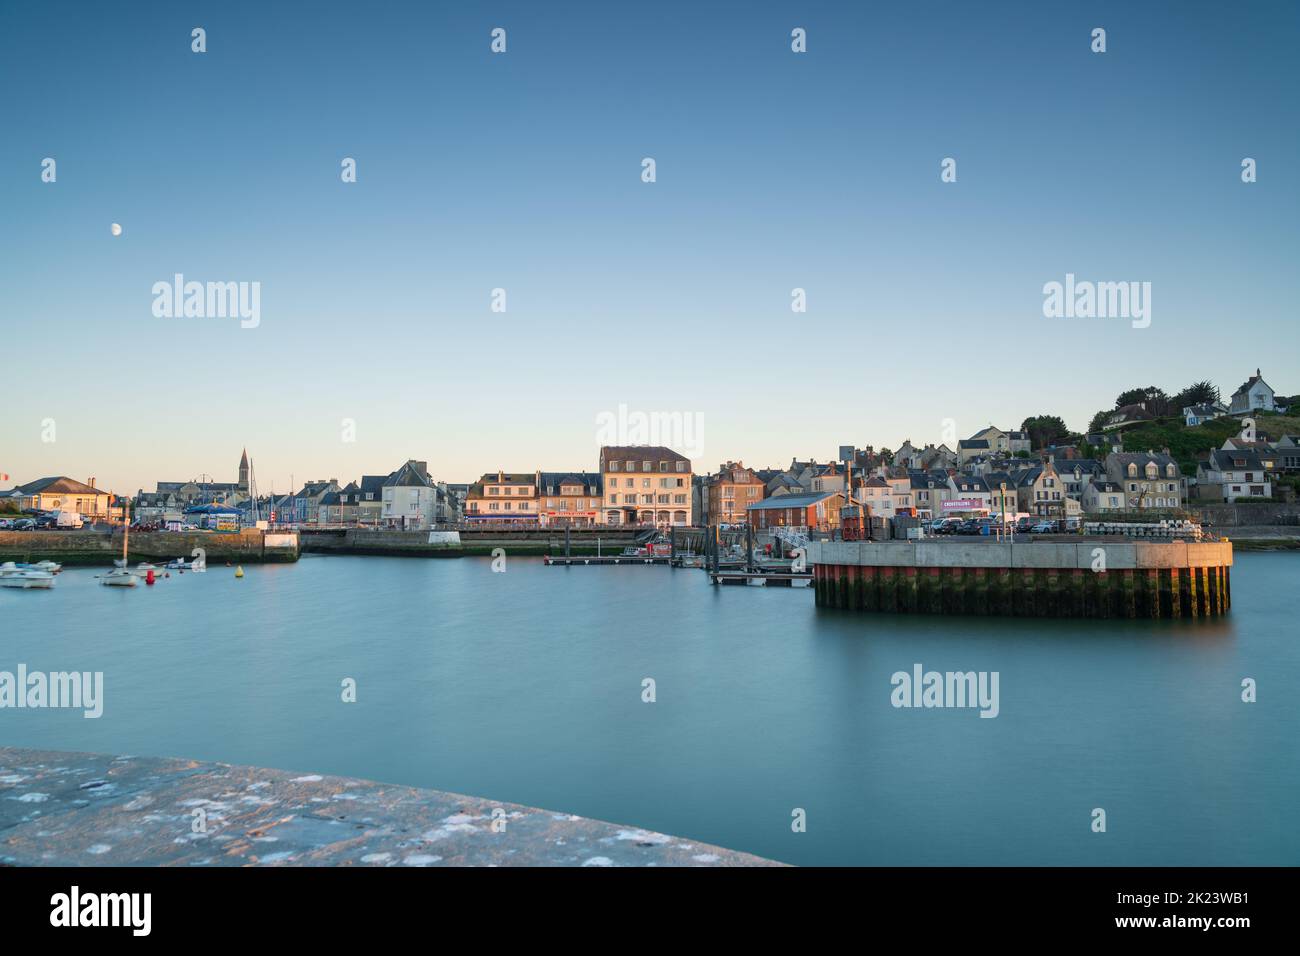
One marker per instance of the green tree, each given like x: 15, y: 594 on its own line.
x: 1045, y: 429
x: 1199, y: 393
x: 1155, y: 399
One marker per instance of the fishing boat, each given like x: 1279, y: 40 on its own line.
x: 12, y: 576
x: 121, y: 576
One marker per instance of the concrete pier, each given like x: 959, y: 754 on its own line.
x: 1090, y: 578
x: 72, y: 809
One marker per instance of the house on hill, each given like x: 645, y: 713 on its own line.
x: 1254, y: 395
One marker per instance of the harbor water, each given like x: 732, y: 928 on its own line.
x: 530, y: 686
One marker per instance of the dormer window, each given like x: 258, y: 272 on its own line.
x: 1132, y: 470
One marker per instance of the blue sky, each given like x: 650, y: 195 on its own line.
x: 522, y: 171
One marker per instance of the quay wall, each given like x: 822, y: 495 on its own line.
x: 416, y: 543
x: 1093, y: 578
x: 56, y: 808
x: 103, y: 547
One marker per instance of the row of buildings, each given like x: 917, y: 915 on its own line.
x: 992, y: 472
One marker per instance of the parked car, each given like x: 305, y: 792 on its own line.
x: 1024, y: 524
x: 6, y: 523
x: 1043, y: 527
x: 25, y: 524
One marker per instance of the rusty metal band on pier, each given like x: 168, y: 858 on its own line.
x: 1092, y: 579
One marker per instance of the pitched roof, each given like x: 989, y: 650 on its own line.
x: 1221, y: 460
x: 554, y: 479
x: 792, y: 501
x: 410, y: 475
x: 59, y: 485
x: 639, y: 453
x: 1245, y: 386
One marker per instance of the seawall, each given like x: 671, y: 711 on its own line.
x: 416, y: 543
x: 1093, y: 578
x: 103, y: 547
x: 75, y: 809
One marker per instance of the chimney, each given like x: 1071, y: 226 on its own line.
x: 91, y: 482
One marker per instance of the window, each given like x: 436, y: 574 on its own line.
x: 681, y: 466
x: 493, y: 490
x: 645, y: 466
x: 613, y: 466
x: 663, y: 466
x: 679, y: 499
x: 613, y: 499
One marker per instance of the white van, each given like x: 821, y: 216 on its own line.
x: 67, y: 520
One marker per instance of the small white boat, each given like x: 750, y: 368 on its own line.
x: 52, y: 567
x: 120, y: 577
x: 12, y: 576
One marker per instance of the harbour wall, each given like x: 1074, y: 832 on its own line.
x: 1095, y: 578
x: 103, y: 547
x: 76, y: 809
x: 416, y: 543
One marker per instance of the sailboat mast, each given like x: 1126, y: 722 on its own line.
x: 126, y: 527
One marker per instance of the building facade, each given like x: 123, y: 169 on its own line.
x: 504, y: 497
x: 731, y: 491
x: 645, y: 485
x: 568, y: 499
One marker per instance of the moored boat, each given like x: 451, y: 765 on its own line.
x: 52, y: 567
x: 121, y: 576
x: 12, y: 576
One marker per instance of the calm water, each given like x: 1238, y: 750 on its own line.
x: 526, y: 686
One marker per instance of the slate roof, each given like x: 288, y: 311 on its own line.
x: 791, y: 501
x: 59, y: 485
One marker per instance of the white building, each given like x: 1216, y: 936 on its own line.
x: 410, y: 498
x: 1253, y: 396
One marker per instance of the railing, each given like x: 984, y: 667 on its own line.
x: 794, y: 537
